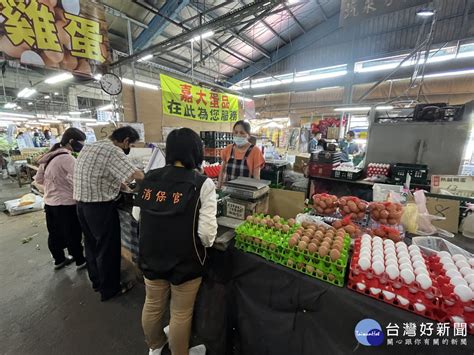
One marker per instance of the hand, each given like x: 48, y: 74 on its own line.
x: 125, y: 188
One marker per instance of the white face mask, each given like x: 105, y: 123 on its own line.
x: 240, y: 141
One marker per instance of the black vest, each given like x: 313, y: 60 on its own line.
x: 169, y: 246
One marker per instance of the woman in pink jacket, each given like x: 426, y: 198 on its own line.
x: 55, y: 173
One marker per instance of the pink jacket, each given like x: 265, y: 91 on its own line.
x: 57, y: 179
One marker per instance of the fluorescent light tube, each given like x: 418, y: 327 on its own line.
x: 58, y: 78
x: 105, y: 107
x: 145, y: 58
x: 203, y: 36
x: 26, y: 92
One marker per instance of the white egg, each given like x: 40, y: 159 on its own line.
x: 407, y: 266
x: 471, y: 262
x: 414, y: 253
x: 418, y: 264
x: 442, y: 254
x: 361, y: 286
x: 407, y: 276
x: 453, y: 273
x: 401, y: 244
x: 448, y: 267
x: 391, y: 261
x: 392, y: 271
x: 365, y: 255
x: 378, y: 259
x: 413, y: 248
x: 458, y: 280
x: 365, y: 249
x: 377, y: 240
x: 377, y: 253
x: 377, y: 247
x: 446, y: 260
x: 459, y: 257
x: 364, y: 263
x: 461, y: 263
x: 378, y: 267
x: 403, y: 301
x: 421, y: 270
x: 417, y: 258
x: 390, y: 254
x: 366, y: 236
x: 464, y: 293
x: 469, y: 278
x: 389, y: 248
x: 388, y: 242
x: 404, y: 260
x: 388, y: 295
x: 471, y: 286
x: 466, y: 271
x: 402, y: 255
x: 424, y: 281
x: 375, y: 291
x: 420, y: 307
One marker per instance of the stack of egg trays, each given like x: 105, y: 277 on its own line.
x: 323, y: 267
x: 413, y: 293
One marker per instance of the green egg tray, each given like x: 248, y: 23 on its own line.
x: 273, y: 246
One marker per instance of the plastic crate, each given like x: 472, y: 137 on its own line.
x: 418, y: 172
x: 321, y: 169
x: 326, y: 157
x: 347, y: 175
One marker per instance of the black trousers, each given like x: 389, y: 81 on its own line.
x: 101, y: 226
x: 64, y: 232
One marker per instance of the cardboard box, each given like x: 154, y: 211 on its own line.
x: 447, y: 208
x: 301, y: 161
x: 458, y: 185
x: 285, y: 203
x: 240, y: 209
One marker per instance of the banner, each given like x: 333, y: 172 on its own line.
x: 196, y: 103
x: 353, y: 11
x: 70, y: 35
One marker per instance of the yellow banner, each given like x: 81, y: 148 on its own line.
x: 196, y: 103
x: 70, y: 35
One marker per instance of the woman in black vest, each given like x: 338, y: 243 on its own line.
x: 177, y: 222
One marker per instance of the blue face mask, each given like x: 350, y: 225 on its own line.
x: 240, y: 141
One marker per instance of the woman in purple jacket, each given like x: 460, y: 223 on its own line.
x: 55, y: 173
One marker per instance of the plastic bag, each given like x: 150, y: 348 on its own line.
x: 305, y: 217
x: 26, y: 200
x: 467, y: 226
x: 424, y: 225
x: 410, y: 217
x: 431, y: 245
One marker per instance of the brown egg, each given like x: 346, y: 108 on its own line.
x: 292, y: 242
x: 360, y: 215
x: 308, y: 232
x: 302, y: 246
x: 305, y: 239
x: 310, y: 268
x: 312, y: 248
x: 352, y: 206
x: 337, y: 247
x: 323, y: 251
x: 339, y: 240
x: 272, y: 246
x: 325, y: 244
x: 291, y: 222
x: 249, y: 219
x: 300, y: 229
x: 257, y: 240
x: 319, y: 234
x: 392, y: 221
x: 383, y: 220
x: 327, y: 240
x: 350, y: 229
x: 290, y: 263
x: 296, y: 236
x: 319, y: 273
x: 331, y: 277
x: 335, y: 254
x: 300, y: 265
x: 285, y: 228
x: 305, y: 224
x: 276, y: 218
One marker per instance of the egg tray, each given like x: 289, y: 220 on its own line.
x: 450, y: 302
x: 413, y: 293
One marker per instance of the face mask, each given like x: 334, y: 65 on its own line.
x: 240, y: 141
x: 126, y: 150
x: 76, y: 146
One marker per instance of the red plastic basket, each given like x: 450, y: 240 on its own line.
x: 212, y: 171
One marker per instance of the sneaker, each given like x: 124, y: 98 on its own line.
x: 81, y: 266
x: 124, y: 288
x: 198, y: 350
x: 166, y: 330
x: 69, y: 259
x: 156, y: 351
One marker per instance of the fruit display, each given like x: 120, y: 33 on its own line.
x: 375, y: 169
x: 456, y: 283
x: 351, y: 205
x: 386, y: 212
x: 396, y: 274
x: 317, y: 251
x: 325, y: 204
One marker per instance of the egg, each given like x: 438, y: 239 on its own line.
x: 312, y: 248
x: 420, y: 307
x: 442, y: 254
x: 466, y: 271
x: 305, y: 239
x: 462, y: 263
x: 469, y: 278
x: 378, y: 267
x: 414, y: 253
x: 453, y: 273
x: 401, y: 245
x: 459, y: 257
x: 471, y: 285
x: 417, y: 258
x: 448, y: 267
x: 388, y: 295
x: 377, y: 240
x: 392, y: 271
x: 471, y: 262
x: 421, y: 270
x: 418, y: 264
x: 361, y: 286
x: 407, y: 275
x: 446, y: 260
x: 302, y: 245
x: 391, y: 260
x: 388, y: 242
x: 334, y: 254
x: 458, y: 280
x: 364, y: 263
x: 366, y: 255
x: 292, y: 242
x: 413, y: 247
x: 403, y: 301
x: 404, y: 260
x: 390, y: 255
x: 403, y: 254
x: 375, y: 291
x: 323, y: 251
x: 464, y: 293
x: 310, y: 268
x: 378, y: 259
x: 424, y: 281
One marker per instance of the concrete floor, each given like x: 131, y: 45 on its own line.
x: 56, y: 312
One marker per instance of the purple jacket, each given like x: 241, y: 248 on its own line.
x: 57, y: 179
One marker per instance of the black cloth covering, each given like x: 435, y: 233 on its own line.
x: 250, y: 306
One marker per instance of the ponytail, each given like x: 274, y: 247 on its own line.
x: 70, y: 133
x: 55, y: 147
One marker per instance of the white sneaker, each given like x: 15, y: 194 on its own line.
x: 198, y: 350
x: 156, y: 351
x: 167, y: 330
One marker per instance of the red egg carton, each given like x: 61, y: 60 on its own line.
x: 451, y: 304
x: 212, y: 171
x: 410, y: 297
